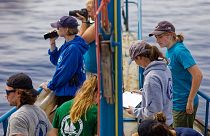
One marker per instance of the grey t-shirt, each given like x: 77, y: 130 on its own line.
x: 29, y: 120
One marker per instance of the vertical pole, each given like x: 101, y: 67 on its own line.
x: 5, y: 124
x: 126, y: 6
x: 111, y: 122
x: 141, y: 70
x: 206, y: 118
x: 118, y: 68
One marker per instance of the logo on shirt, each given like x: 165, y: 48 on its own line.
x: 170, y: 89
x: 41, y: 129
x: 71, y: 129
x: 83, y: 67
x: 60, y: 59
x: 169, y: 63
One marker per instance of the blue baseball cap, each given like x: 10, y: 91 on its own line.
x: 65, y: 21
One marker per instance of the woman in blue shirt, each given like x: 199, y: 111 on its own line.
x: 185, y: 73
x: 87, y: 31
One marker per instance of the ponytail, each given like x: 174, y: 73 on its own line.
x: 179, y: 38
x: 155, y: 54
x: 160, y: 117
x: 84, y: 99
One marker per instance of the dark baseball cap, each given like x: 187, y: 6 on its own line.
x: 162, y: 27
x: 137, y: 48
x: 21, y: 81
x: 66, y: 21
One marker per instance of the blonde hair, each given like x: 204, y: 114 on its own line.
x: 84, y: 99
x: 178, y: 38
x: 72, y: 31
x: 90, y: 3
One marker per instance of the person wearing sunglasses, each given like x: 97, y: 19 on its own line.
x: 185, y: 72
x: 68, y: 59
x: 29, y: 119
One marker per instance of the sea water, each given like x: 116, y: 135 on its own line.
x: 24, y: 22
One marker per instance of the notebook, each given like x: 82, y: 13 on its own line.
x: 131, y: 99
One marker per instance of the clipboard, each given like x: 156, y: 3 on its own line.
x: 131, y: 99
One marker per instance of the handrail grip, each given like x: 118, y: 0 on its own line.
x: 204, y: 96
x: 7, y: 114
x: 207, y: 98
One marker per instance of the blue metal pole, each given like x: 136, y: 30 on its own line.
x: 7, y: 114
x: 139, y: 20
x: 207, y: 98
x: 141, y: 70
x: 107, y: 111
x: 126, y: 6
x: 206, y: 118
x: 4, y: 118
x: 120, y: 73
x: 111, y: 121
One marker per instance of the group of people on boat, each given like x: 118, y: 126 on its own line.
x: 170, y: 83
x: 76, y: 112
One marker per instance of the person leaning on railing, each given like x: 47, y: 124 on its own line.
x: 185, y: 72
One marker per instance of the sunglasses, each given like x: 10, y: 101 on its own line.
x: 10, y: 91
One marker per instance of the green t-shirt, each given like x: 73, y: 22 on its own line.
x: 83, y: 127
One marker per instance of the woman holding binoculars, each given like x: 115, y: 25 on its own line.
x: 68, y: 59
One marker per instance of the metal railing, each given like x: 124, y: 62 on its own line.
x: 207, y: 98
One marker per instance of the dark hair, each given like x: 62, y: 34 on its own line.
x: 152, y: 127
x: 160, y: 117
x: 27, y: 97
x: 153, y: 53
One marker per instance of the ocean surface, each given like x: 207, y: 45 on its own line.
x: 24, y: 22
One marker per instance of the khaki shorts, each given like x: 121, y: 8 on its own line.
x: 182, y: 119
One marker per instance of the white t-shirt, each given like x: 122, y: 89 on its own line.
x: 29, y: 120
